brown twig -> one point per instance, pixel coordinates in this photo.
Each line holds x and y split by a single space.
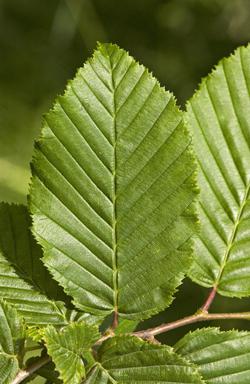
148 334
24 374
199 316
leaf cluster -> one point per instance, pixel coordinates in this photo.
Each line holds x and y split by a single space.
111 229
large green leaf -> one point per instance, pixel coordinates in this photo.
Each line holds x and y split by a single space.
218 114
222 357
113 187
68 347
11 342
24 281
127 359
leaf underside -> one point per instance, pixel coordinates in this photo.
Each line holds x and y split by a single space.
11 342
112 189
218 115
127 359
222 357
24 281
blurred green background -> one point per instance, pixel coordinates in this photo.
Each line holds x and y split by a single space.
42 43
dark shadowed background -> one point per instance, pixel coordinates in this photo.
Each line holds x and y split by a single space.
43 42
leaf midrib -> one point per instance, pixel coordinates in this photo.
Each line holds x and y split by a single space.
233 236
114 221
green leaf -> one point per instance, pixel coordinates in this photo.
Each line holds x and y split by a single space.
127 359
78 316
126 326
218 115
35 332
222 357
24 281
68 347
113 188
11 342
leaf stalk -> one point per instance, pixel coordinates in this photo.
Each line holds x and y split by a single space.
209 300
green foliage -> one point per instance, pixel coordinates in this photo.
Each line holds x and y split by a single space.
11 342
126 326
68 347
218 116
222 357
126 359
24 281
112 202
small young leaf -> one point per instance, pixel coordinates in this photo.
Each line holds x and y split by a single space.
222 357
113 188
23 278
218 115
68 347
11 342
78 316
35 332
127 359
126 326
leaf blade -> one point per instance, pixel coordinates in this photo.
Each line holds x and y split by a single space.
68 347
11 342
127 359
222 357
216 115
22 284
106 173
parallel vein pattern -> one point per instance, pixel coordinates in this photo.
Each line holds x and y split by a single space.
24 281
130 360
113 187
218 115
222 357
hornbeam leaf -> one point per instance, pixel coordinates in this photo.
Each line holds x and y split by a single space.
218 115
113 188
68 347
24 281
222 357
35 332
126 326
11 342
127 359
19 246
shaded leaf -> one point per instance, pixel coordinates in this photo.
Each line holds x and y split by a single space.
11 342
24 281
47 371
126 326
